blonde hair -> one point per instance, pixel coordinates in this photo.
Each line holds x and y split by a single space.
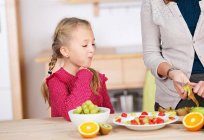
62 36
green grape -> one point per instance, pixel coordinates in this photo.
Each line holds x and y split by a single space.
94 111
84 106
86 111
78 109
75 112
82 112
96 108
88 102
91 106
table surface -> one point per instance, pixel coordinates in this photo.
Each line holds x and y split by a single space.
60 129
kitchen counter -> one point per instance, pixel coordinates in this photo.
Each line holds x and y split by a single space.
60 129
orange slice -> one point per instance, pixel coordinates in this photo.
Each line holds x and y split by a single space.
88 129
193 121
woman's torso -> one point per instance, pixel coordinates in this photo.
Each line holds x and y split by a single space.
178 45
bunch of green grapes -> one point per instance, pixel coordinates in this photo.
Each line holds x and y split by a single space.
87 108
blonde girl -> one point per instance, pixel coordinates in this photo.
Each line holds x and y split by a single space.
75 82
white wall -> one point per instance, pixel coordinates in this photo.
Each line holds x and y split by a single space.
113 27
5 91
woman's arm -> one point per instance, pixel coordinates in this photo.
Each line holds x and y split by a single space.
151 40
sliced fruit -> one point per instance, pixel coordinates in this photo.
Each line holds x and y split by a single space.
142 116
124 115
171 118
134 122
182 111
188 89
159 120
105 129
171 113
88 129
193 121
161 114
118 120
144 113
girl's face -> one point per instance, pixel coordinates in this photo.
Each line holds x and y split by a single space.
81 48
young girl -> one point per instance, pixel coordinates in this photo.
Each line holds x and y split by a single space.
75 82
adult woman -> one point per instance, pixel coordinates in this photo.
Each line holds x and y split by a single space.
173 45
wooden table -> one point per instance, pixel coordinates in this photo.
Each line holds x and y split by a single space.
59 129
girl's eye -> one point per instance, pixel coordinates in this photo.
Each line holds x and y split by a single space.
94 45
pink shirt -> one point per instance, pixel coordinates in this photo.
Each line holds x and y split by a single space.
68 92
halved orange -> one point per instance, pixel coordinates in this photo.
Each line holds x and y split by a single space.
88 129
193 121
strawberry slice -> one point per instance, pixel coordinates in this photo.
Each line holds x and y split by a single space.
133 122
124 115
161 114
141 121
159 120
142 116
144 113
151 121
118 120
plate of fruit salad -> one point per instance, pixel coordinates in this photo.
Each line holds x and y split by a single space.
145 120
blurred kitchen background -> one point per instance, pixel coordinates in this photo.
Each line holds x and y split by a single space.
26 29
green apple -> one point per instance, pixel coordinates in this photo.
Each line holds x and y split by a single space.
197 109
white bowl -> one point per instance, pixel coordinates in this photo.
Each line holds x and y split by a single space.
101 117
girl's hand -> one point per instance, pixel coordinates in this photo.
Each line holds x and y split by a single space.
198 88
179 80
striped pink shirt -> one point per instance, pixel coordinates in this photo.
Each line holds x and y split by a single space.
68 92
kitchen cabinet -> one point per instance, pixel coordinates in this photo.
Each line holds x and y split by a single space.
97 2
124 71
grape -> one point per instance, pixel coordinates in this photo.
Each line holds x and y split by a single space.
75 112
79 109
84 106
86 111
88 102
91 106
94 111
87 108
96 108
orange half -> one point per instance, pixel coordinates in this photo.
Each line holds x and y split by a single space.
88 129
193 121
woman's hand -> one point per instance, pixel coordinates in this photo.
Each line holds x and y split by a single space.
198 88
179 80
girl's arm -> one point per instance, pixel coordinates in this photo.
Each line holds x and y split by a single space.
106 98
63 100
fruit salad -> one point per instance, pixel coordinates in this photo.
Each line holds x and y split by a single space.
144 118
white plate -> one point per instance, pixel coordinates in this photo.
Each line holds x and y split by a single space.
146 126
